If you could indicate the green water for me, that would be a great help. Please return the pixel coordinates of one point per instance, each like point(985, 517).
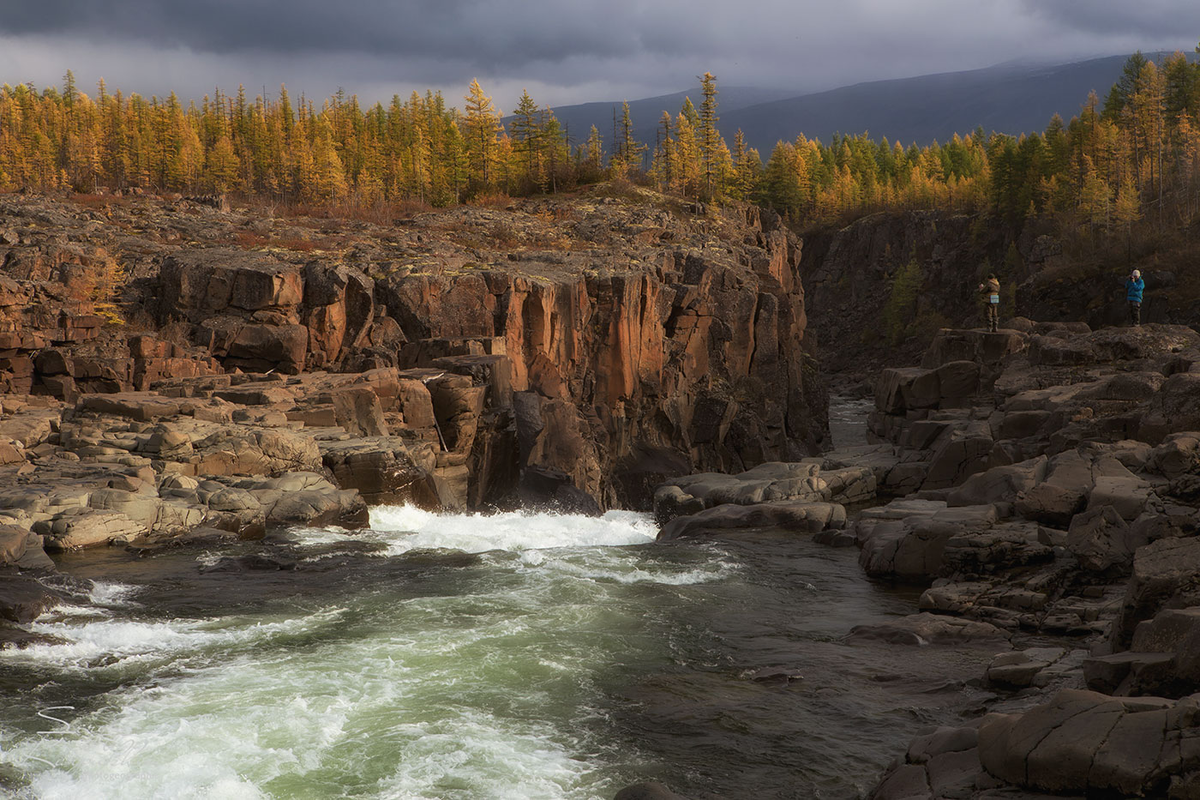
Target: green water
point(572, 659)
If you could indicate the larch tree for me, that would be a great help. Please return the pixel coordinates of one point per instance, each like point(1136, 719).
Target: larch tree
point(482, 125)
point(527, 132)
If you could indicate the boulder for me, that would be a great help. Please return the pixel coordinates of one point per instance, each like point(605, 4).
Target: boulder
point(1163, 659)
point(1102, 540)
point(1125, 494)
point(914, 548)
point(982, 550)
point(22, 548)
point(1055, 351)
point(769, 482)
point(24, 599)
point(268, 347)
point(1050, 503)
point(788, 515)
point(998, 484)
point(85, 527)
point(957, 381)
point(384, 471)
point(1178, 455)
point(960, 456)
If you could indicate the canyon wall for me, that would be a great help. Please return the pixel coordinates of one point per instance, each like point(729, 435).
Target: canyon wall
point(574, 351)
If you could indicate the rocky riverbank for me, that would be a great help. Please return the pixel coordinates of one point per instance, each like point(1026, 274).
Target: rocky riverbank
point(174, 371)
point(1044, 483)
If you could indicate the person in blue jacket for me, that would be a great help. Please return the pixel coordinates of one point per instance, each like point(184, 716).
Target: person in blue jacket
point(1133, 293)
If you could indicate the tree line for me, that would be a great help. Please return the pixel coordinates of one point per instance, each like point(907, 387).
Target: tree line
point(419, 148)
point(1135, 154)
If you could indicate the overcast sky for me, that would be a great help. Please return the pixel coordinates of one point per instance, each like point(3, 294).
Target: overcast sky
point(562, 51)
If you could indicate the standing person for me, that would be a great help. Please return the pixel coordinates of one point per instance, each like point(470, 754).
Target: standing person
point(989, 292)
point(1133, 294)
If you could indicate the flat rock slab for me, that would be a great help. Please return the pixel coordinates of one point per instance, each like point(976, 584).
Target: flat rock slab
point(1087, 742)
point(793, 516)
point(142, 406)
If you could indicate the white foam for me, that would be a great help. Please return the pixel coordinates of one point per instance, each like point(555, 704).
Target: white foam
point(513, 531)
point(84, 639)
point(105, 593)
point(599, 567)
point(480, 758)
point(253, 728)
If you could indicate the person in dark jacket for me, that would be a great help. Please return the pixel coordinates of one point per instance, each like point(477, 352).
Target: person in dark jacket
point(989, 292)
point(1134, 286)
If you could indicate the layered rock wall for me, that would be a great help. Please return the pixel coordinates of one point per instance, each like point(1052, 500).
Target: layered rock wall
point(645, 343)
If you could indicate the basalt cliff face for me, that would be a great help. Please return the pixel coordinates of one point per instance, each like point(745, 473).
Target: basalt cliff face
point(850, 272)
point(577, 351)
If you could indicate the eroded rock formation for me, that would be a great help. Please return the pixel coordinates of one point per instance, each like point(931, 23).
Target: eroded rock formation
point(258, 371)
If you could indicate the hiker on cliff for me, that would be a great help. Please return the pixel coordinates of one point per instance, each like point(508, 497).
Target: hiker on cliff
point(989, 292)
point(1133, 294)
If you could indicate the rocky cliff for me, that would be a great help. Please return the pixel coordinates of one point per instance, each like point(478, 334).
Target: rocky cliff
point(581, 349)
point(849, 274)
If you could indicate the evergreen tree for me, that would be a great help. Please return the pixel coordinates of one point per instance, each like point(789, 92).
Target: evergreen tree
point(629, 151)
point(709, 138)
point(1125, 86)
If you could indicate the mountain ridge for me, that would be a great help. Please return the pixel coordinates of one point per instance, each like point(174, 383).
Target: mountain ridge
point(1011, 97)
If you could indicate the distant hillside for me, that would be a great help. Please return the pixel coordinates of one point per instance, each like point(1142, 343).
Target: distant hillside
point(1008, 98)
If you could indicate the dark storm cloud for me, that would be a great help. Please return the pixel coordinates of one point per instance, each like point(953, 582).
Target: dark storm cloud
point(482, 33)
point(1154, 19)
point(563, 51)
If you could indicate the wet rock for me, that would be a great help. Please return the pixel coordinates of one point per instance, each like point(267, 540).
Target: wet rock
point(926, 629)
point(775, 675)
point(253, 562)
point(22, 598)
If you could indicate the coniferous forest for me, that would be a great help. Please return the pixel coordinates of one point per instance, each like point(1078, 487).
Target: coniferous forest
point(1133, 155)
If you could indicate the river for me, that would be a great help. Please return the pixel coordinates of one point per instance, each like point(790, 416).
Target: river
point(470, 657)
